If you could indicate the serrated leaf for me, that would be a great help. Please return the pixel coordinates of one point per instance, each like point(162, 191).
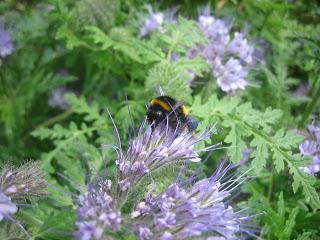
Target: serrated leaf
point(290, 223)
point(237, 144)
point(278, 161)
point(99, 37)
point(260, 155)
point(256, 127)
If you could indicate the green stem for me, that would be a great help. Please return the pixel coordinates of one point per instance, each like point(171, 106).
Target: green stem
point(55, 119)
point(310, 108)
point(270, 185)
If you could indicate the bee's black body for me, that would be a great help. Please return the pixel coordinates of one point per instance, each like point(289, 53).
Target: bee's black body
point(165, 108)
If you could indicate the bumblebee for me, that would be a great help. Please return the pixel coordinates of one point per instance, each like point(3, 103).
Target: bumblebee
point(165, 108)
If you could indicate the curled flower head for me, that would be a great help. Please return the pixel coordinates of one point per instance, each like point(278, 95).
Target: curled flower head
point(153, 149)
point(180, 209)
point(16, 185)
point(6, 45)
point(311, 147)
point(152, 23)
point(25, 181)
point(99, 208)
point(192, 209)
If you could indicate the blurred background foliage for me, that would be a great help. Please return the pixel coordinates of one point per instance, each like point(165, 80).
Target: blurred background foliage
point(90, 50)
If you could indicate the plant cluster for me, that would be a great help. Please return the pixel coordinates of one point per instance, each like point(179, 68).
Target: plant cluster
point(70, 71)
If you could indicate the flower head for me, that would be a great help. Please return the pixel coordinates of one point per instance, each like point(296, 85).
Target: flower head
point(185, 210)
point(231, 76)
point(311, 147)
point(228, 55)
point(6, 45)
point(16, 185)
point(23, 182)
point(96, 212)
point(153, 149)
point(152, 23)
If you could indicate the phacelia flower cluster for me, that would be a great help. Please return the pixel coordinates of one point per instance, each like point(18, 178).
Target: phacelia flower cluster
point(311, 147)
point(152, 150)
point(6, 44)
point(97, 212)
point(229, 55)
point(185, 209)
point(17, 185)
point(152, 23)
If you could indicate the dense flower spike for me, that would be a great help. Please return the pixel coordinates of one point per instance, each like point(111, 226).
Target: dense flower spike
point(311, 147)
point(187, 208)
point(152, 23)
point(25, 181)
point(230, 56)
point(184, 211)
point(151, 150)
point(97, 212)
point(6, 45)
point(18, 184)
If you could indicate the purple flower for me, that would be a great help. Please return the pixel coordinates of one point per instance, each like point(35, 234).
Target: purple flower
point(16, 185)
point(214, 29)
point(97, 212)
point(313, 167)
point(232, 76)
point(152, 23)
point(311, 147)
point(144, 233)
point(240, 46)
point(7, 208)
point(183, 210)
point(166, 236)
point(229, 57)
point(6, 45)
point(57, 99)
point(23, 182)
point(315, 132)
point(191, 209)
point(151, 150)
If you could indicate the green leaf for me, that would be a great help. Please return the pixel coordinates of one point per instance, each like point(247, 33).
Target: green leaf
point(290, 223)
point(169, 78)
point(260, 155)
point(235, 138)
point(99, 37)
point(245, 124)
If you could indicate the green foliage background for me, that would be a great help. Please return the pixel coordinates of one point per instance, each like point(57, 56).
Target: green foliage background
point(92, 48)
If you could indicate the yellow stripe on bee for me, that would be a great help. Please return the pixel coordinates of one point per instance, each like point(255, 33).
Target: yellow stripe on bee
point(162, 104)
point(184, 110)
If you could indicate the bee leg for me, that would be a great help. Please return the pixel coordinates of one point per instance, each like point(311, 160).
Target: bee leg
point(192, 123)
